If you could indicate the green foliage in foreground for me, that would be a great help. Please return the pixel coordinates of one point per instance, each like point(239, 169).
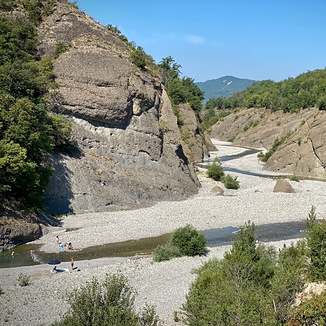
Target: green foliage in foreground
point(316, 240)
point(311, 312)
point(252, 285)
point(110, 303)
point(185, 241)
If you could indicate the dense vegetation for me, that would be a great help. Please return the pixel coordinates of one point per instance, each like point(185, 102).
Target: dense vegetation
point(255, 285)
point(291, 95)
point(27, 130)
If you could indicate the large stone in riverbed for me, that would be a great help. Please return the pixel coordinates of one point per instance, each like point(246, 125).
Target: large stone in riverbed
point(283, 186)
point(218, 191)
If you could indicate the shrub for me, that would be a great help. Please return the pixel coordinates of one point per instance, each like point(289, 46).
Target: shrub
point(294, 178)
point(215, 170)
point(189, 241)
point(277, 143)
point(23, 280)
point(60, 48)
point(148, 316)
point(110, 303)
point(230, 182)
point(1, 291)
point(316, 247)
point(140, 58)
point(322, 103)
point(166, 251)
point(310, 312)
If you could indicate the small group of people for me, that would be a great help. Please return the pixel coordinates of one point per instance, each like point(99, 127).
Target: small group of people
point(67, 245)
point(72, 264)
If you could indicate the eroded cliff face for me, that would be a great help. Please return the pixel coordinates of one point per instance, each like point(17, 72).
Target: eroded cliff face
point(196, 144)
point(303, 152)
point(129, 145)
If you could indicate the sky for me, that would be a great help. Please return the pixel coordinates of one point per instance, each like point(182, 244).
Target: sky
point(252, 39)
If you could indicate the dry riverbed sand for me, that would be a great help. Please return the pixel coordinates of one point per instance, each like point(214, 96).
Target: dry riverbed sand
point(164, 284)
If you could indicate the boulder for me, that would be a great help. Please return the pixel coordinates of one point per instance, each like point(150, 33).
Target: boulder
point(283, 186)
point(218, 191)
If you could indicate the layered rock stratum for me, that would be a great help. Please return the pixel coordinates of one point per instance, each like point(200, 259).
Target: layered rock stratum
point(130, 149)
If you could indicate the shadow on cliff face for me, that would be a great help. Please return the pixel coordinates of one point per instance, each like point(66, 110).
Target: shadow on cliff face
point(58, 194)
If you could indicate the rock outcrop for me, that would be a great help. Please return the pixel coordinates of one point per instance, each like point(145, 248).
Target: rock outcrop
point(301, 149)
point(130, 149)
point(18, 225)
point(196, 144)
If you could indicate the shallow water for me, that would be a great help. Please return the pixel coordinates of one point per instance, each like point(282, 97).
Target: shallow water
point(27, 255)
point(265, 233)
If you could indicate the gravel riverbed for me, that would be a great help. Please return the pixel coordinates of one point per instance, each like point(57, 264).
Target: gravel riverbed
point(164, 284)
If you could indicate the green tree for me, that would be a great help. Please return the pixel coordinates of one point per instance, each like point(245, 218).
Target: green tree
point(170, 70)
point(185, 241)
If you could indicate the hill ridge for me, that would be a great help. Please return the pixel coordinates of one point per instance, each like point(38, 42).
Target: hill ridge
point(224, 86)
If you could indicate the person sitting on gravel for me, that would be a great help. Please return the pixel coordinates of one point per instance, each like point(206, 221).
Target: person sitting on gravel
point(54, 270)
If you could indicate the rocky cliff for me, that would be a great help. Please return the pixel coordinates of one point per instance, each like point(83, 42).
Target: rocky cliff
point(130, 149)
point(302, 149)
point(196, 144)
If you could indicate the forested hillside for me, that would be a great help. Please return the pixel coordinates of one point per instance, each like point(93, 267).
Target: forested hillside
point(27, 130)
point(291, 95)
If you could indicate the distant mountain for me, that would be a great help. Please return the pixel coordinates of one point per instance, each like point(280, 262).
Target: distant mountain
point(224, 86)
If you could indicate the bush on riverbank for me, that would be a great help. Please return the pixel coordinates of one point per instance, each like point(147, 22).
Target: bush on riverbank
point(263, 285)
point(230, 182)
point(108, 303)
point(215, 170)
point(185, 241)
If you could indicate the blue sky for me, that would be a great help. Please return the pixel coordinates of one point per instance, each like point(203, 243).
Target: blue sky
point(254, 39)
